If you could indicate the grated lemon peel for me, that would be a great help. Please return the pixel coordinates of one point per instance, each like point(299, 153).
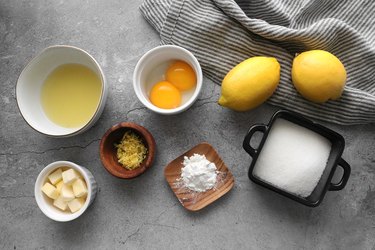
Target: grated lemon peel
point(131, 151)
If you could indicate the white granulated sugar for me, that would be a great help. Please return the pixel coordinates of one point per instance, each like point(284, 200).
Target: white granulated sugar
point(198, 173)
point(293, 158)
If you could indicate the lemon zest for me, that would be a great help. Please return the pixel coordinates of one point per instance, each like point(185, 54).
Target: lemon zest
point(131, 151)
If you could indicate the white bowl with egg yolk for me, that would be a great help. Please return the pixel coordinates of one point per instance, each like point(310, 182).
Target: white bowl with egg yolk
point(45, 203)
point(153, 59)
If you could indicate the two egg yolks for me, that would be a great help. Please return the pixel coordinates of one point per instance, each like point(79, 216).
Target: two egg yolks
point(167, 94)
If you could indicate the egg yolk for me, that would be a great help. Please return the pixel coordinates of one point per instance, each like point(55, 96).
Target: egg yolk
point(165, 95)
point(181, 75)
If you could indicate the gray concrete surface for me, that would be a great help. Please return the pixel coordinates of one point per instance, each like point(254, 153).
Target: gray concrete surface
point(143, 213)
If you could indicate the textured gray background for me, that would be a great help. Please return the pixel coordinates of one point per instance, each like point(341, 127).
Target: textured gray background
point(143, 213)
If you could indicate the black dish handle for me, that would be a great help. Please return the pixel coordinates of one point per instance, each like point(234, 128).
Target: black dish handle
point(344, 179)
point(246, 142)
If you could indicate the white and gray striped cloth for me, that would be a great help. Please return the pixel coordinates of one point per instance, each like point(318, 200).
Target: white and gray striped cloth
point(222, 33)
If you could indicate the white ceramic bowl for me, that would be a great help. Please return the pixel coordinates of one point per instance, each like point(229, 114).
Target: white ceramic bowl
point(45, 203)
point(155, 58)
point(30, 82)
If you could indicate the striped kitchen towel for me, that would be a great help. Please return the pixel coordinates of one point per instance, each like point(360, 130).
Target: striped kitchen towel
point(222, 33)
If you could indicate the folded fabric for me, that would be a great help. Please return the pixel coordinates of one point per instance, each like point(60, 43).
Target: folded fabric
point(222, 33)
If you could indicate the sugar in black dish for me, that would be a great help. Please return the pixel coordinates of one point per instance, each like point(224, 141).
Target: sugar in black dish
point(297, 158)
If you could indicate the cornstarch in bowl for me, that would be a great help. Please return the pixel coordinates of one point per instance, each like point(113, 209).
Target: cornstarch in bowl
point(198, 173)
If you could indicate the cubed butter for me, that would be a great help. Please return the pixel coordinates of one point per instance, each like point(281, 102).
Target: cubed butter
point(69, 176)
point(59, 186)
point(50, 190)
point(67, 192)
point(55, 177)
point(60, 203)
point(79, 188)
point(76, 204)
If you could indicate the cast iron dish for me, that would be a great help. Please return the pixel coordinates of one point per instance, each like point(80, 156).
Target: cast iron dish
point(334, 158)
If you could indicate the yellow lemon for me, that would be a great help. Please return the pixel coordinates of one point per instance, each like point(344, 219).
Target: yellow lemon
point(318, 76)
point(250, 83)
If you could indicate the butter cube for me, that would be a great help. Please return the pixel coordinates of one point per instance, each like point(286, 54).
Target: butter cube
point(50, 191)
point(60, 203)
point(79, 188)
point(69, 176)
point(59, 186)
point(67, 193)
point(76, 204)
point(55, 177)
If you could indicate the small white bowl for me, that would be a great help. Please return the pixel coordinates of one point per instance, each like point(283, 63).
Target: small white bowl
point(30, 81)
point(45, 203)
point(155, 58)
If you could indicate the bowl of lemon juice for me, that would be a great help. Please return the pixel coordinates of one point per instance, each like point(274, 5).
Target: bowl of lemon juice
point(62, 91)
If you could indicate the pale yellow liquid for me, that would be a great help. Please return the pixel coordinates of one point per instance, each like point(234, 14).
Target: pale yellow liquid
point(70, 95)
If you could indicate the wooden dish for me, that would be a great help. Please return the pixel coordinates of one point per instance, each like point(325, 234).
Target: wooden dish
point(195, 201)
point(108, 149)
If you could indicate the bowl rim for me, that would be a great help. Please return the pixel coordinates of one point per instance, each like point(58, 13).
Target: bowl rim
point(41, 179)
point(149, 105)
point(102, 93)
point(140, 130)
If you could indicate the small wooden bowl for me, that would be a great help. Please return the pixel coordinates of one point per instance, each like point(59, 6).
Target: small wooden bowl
point(195, 201)
point(108, 149)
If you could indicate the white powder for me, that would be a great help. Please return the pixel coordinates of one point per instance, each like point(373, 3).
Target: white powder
point(293, 158)
point(198, 173)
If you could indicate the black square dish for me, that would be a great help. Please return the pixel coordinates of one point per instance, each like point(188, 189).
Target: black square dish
point(334, 159)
